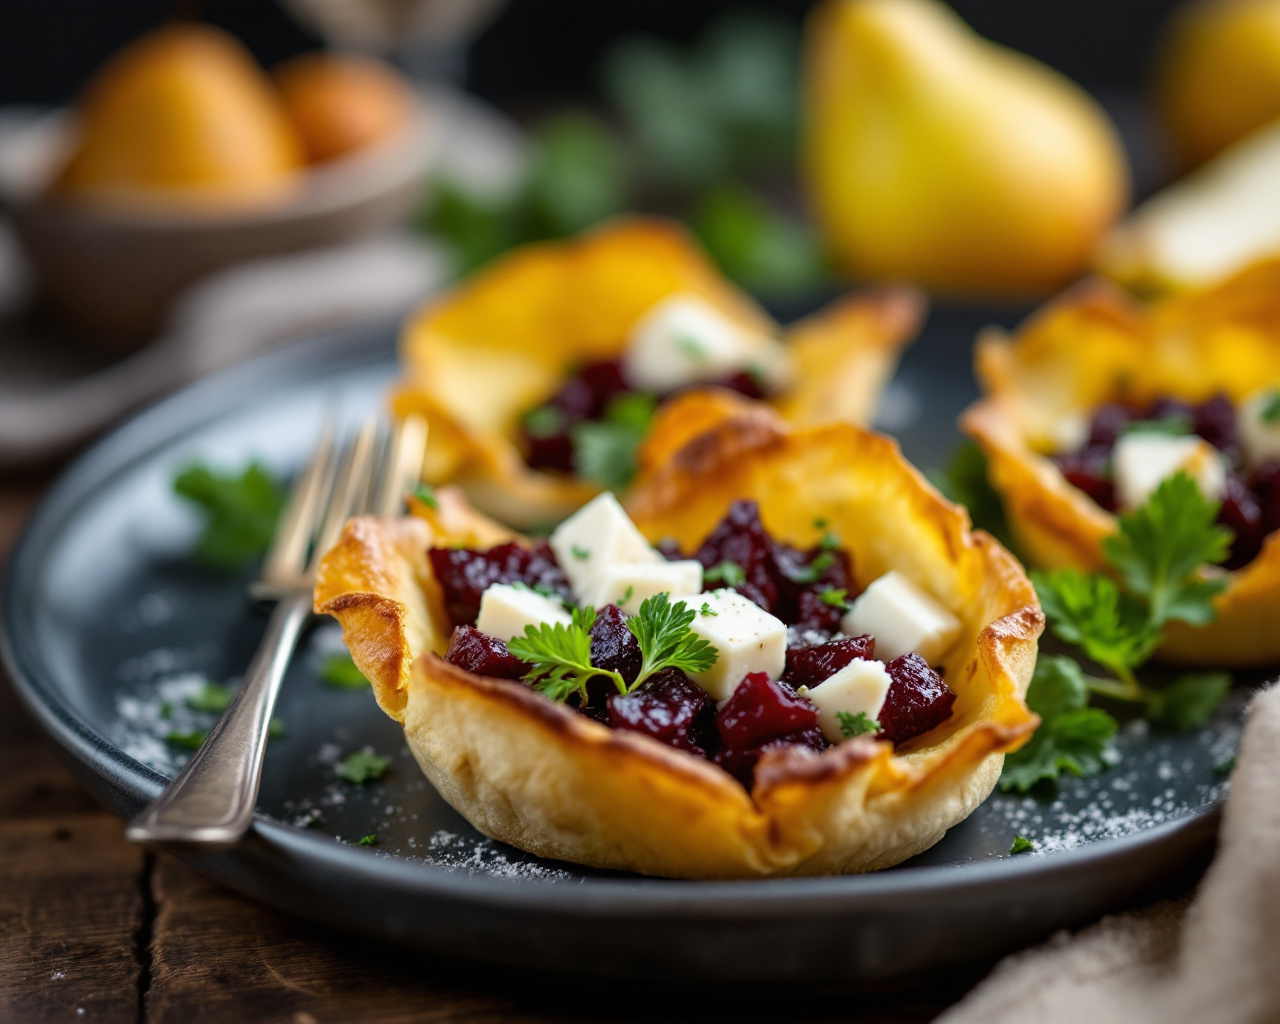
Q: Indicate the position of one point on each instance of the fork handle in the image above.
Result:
(210, 804)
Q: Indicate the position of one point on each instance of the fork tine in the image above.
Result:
(407, 449)
(288, 553)
(350, 489)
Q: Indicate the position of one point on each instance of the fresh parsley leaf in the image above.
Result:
(166, 710)
(812, 572)
(190, 740)
(1088, 610)
(1225, 766)
(369, 840)
(580, 553)
(820, 524)
(666, 641)
(837, 597)
(361, 766)
(1171, 426)
(544, 421)
(856, 725)
(1270, 410)
(707, 610)
(965, 482)
(427, 495)
(829, 542)
(731, 574)
(560, 656)
(1072, 737)
(1189, 701)
(691, 347)
(240, 511)
(1021, 844)
(212, 697)
(605, 450)
(1159, 547)
(627, 595)
(340, 671)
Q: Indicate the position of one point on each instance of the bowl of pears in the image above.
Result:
(184, 156)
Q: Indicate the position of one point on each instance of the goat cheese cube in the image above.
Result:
(627, 585)
(1258, 423)
(505, 610)
(684, 339)
(746, 638)
(902, 618)
(1142, 460)
(599, 535)
(860, 687)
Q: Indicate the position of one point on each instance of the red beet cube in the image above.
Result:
(761, 709)
(809, 666)
(918, 700)
(668, 707)
(613, 646)
(484, 655)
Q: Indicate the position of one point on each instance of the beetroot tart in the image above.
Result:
(788, 655)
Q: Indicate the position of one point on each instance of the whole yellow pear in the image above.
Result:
(933, 155)
(1218, 74)
(183, 114)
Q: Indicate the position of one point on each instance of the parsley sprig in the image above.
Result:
(605, 449)
(559, 655)
(856, 725)
(1156, 556)
(239, 510)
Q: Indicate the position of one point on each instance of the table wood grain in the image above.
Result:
(95, 930)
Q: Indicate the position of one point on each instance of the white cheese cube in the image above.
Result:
(1141, 460)
(746, 638)
(684, 339)
(505, 610)
(1258, 423)
(902, 618)
(597, 536)
(628, 585)
(858, 688)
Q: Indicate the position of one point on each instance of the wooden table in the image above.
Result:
(93, 929)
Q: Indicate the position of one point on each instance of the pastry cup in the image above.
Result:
(1096, 345)
(502, 343)
(541, 777)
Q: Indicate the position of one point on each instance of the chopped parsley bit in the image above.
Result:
(338, 670)
(544, 421)
(192, 740)
(731, 574)
(605, 450)
(812, 572)
(580, 553)
(369, 840)
(820, 524)
(166, 710)
(212, 697)
(856, 725)
(311, 819)
(1021, 844)
(275, 728)
(539, 588)
(361, 766)
(691, 346)
(837, 597)
(1270, 411)
(707, 609)
(560, 655)
(829, 542)
(1173, 426)
(1226, 766)
(426, 494)
(240, 511)
(627, 594)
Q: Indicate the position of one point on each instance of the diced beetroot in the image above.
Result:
(740, 538)
(1215, 421)
(613, 646)
(484, 655)
(761, 709)
(668, 707)
(1241, 513)
(809, 666)
(1173, 410)
(465, 573)
(747, 384)
(813, 613)
(1265, 483)
(550, 451)
(669, 548)
(918, 700)
(1091, 472)
(740, 762)
(1105, 425)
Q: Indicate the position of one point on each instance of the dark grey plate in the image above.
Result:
(105, 618)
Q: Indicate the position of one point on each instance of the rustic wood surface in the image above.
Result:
(93, 929)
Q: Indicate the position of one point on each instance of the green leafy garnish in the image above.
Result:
(1270, 411)
(666, 641)
(856, 725)
(240, 511)
(1170, 426)
(1226, 766)
(691, 347)
(812, 572)
(580, 553)
(189, 740)
(544, 421)
(837, 597)
(731, 574)
(605, 449)
(1088, 610)
(339, 670)
(1021, 844)
(361, 766)
(708, 610)
(369, 840)
(213, 697)
(1189, 701)
(627, 595)
(1072, 737)
(426, 494)
(166, 710)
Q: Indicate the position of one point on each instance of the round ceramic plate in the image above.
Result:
(109, 628)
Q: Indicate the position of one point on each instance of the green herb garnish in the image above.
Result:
(1270, 411)
(427, 495)
(240, 511)
(361, 766)
(582, 554)
(340, 671)
(666, 641)
(856, 725)
(731, 574)
(605, 449)
(369, 840)
(707, 610)
(691, 347)
(212, 697)
(190, 740)
(837, 597)
(544, 421)
(1171, 426)
(812, 572)
(1021, 844)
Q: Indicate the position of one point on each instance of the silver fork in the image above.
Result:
(210, 804)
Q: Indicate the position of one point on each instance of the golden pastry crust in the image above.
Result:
(541, 777)
(1096, 345)
(476, 360)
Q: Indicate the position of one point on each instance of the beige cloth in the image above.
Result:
(1213, 959)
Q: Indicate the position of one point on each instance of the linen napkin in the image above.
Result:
(1212, 958)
